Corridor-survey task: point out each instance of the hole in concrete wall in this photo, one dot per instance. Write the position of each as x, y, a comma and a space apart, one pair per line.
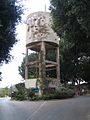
35, 19
28, 28
32, 26
36, 28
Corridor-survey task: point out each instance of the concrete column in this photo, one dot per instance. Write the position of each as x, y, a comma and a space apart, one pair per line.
43, 51
39, 64
26, 64
43, 71
58, 65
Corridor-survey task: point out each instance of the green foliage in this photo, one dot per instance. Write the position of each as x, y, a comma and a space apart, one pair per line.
20, 86
30, 94
62, 93
56, 95
51, 55
21, 93
10, 15
86, 71
32, 71
21, 69
4, 92
66, 90
71, 23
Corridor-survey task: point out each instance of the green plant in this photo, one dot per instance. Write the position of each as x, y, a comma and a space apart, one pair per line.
30, 94
21, 95
56, 95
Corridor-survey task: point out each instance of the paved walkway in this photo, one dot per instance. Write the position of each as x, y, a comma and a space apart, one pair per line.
70, 109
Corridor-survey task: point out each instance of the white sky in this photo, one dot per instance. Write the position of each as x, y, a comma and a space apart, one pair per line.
10, 74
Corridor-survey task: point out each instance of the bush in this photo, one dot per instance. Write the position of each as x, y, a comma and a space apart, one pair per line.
49, 90
63, 92
36, 98
21, 95
55, 95
28, 94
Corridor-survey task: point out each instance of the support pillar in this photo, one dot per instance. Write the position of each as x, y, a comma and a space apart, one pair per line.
39, 64
58, 66
43, 68
26, 64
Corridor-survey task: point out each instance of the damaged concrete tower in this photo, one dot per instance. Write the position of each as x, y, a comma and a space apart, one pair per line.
41, 38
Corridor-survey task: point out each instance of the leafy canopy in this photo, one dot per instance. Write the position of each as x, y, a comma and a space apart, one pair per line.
10, 15
71, 21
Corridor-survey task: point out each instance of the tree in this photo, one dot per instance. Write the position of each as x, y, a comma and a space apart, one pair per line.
32, 71
4, 92
10, 15
71, 22
86, 69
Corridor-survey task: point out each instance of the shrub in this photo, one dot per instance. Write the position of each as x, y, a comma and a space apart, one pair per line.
36, 98
49, 90
30, 94
21, 95
55, 95
63, 92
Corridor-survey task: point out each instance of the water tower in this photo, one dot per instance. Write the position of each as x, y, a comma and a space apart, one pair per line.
41, 38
